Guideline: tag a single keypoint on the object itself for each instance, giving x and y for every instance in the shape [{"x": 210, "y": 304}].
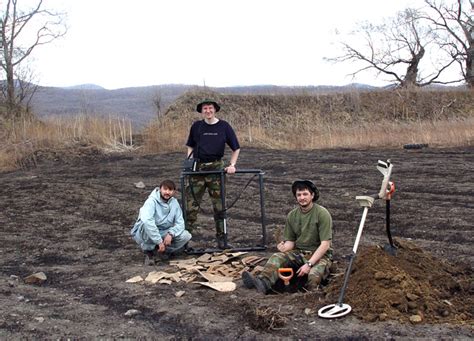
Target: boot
[
  {"x": 251, "y": 281},
  {"x": 247, "y": 279},
  {"x": 221, "y": 244}
]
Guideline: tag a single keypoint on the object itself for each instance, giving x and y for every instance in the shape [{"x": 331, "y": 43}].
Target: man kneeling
[
  {"x": 307, "y": 242},
  {"x": 159, "y": 229}
]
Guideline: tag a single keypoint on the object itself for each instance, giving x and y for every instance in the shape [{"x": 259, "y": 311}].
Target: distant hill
[
  {"x": 137, "y": 103},
  {"x": 85, "y": 86}
]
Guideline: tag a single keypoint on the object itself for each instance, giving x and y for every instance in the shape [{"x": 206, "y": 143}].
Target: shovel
[{"x": 389, "y": 248}]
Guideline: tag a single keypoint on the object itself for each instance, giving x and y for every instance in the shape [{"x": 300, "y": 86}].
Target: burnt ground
[{"x": 70, "y": 217}]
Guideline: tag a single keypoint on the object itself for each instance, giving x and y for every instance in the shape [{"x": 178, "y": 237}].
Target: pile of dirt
[{"x": 412, "y": 286}]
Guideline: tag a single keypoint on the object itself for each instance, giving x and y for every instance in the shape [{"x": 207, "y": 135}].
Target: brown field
[{"x": 70, "y": 217}]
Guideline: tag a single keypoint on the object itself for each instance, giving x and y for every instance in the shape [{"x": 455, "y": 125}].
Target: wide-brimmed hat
[
  {"x": 208, "y": 101},
  {"x": 307, "y": 184}
]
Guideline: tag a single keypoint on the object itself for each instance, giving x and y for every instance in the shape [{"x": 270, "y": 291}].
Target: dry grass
[
  {"x": 24, "y": 138},
  {"x": 298, "y": 121},
  {"x": 169, "y": 135},
  {"x": 315, "y": 121}
]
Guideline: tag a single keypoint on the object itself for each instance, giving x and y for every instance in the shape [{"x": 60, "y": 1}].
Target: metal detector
[
  {"x": 260, "y": 173},
  {"x": 340, "y": 309}
]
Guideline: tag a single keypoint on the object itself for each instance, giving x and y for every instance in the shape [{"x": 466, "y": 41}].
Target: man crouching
[
  {"x": 307, "y": 242},
  {"x": 159, "y": 229}
]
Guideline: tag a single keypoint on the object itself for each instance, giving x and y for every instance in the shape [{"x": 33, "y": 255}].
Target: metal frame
[{"x": 222, "y": 173}]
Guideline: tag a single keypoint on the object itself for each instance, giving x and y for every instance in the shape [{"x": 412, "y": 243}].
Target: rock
[
  {"x": 415, "y": 319},
  {"x": 39, "y": 319},
  {"x": 14, "y": 277},
  {"x": 412, "y": 297},
  {"x": 383, "y": 317},
  {"x": 179, "y": 293},
  {"x": 132, "y": 312},
  {"x": 36, "y": 278},
  {"x": 412, "y": 305},
  {"x": 135, "y": 279},
  {"x": 308, "y": 311},
  {"x": 139, "y": 184}
]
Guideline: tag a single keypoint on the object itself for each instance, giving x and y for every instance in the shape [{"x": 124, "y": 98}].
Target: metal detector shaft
[{"x": 353, "y": 255}]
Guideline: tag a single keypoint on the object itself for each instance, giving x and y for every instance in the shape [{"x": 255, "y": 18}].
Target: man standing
[
  {"x": 307, "y": 242},
  {"x": 159, "y": 229},
  {"x": 206, "y": 142}
]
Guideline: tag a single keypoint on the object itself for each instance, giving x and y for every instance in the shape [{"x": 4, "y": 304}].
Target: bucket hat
[
  {"x": 308, "y": 184},
  {"x": 208, "y": 101}
]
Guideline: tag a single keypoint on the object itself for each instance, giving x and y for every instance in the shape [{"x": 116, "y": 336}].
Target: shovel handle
[{"x": 285, "y": 274}]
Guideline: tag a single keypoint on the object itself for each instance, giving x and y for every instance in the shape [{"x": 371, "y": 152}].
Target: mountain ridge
[{"x": 140, "y": 104}]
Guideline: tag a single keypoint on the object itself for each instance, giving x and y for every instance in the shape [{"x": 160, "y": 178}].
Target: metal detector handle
[
  {"x": 365, "y": 202},
  {"x": 386, "y": 169}
]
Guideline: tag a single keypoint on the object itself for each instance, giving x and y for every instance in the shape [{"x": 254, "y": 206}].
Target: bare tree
[
  {"x": 25, "y": 86},
  {"x": 454, "y": 24},
  {"x": 395, "y": 49},
  {"x": 158, "y": 102},
  {"x": 21, "y": 31}
]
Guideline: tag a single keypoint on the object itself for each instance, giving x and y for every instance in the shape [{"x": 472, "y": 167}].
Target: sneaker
[{"x": 251, "y": 281}]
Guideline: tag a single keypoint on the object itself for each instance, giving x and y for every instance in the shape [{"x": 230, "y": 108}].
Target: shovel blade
[
  {"x": 334, "y": 310},
  {"x": 391, "y": 250}
]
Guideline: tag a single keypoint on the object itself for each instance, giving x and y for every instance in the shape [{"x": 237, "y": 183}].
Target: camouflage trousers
[
  {"x": 295, "y": 259},
  {"x": 195, "y": 190}
]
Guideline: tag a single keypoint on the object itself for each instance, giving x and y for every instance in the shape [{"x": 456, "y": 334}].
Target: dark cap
[
  {"x": 208, "y": 101},
  {"x": 305, "y": 184}
]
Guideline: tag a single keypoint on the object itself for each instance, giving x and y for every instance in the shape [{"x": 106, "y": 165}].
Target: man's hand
[
  {"x": 286, "y": 246},
  {"x": 230, "y": 169},
  {"x": 281, "y": 246},
  {"x": 161, "y": 247},
  {"x": 168, "y": 239},
  {"x": 304, "y": 270}
]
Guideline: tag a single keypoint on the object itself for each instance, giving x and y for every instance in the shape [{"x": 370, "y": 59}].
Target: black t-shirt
[{"x": 209, "y": 140}]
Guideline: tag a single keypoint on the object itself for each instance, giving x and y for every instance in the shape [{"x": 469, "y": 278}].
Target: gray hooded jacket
[{"x": 157, "y": 218}]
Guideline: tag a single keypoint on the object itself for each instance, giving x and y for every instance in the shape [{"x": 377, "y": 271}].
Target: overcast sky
[{"x": 124, "y": 43}]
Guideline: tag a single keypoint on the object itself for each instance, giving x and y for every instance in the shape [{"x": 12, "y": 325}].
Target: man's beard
[
  {"x": 164, "y": 199},
  {"x": 305, "y": 206}
]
